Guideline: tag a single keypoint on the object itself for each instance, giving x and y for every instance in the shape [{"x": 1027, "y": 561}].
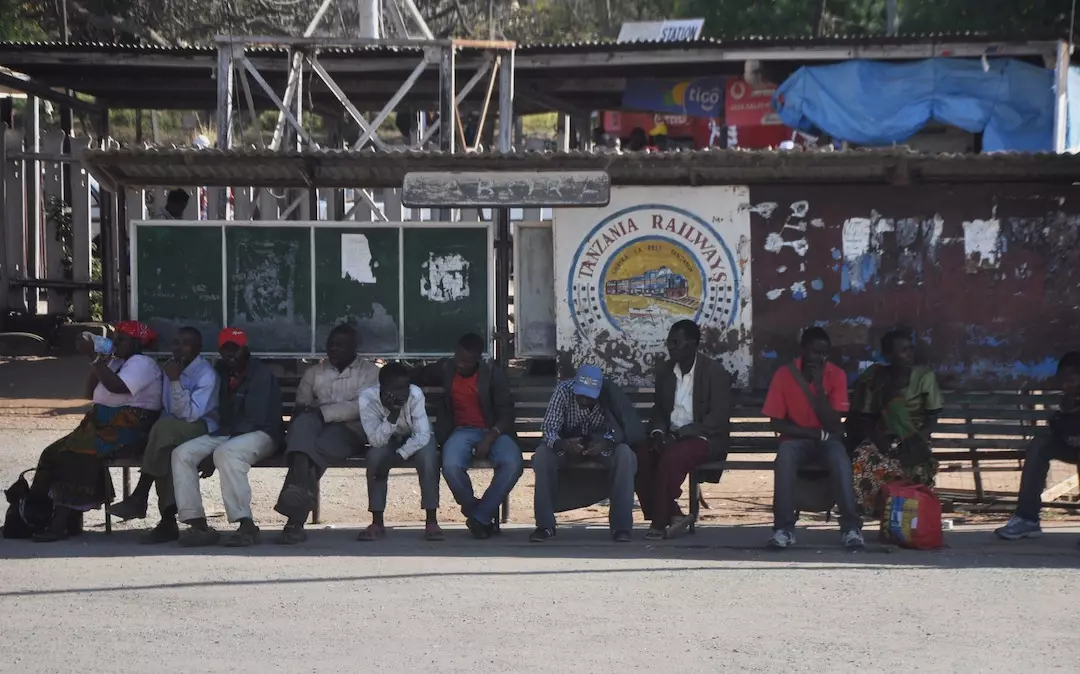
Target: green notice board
[
  {"x": 269, "y": 286},
  {"x": 446, "y": 286},
  {"x": 357, "y": 281},
  {"x": 409, "y": 289},
  {"x": 178, "y": 281}
]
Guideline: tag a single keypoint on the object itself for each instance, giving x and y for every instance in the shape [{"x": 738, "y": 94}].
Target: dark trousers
[
  {"x": 660, "y": 476},
  {"x": 1040, "y": 452}
]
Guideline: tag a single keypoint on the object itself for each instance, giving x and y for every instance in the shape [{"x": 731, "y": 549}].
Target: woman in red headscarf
[{"x": 126, "y": 389}]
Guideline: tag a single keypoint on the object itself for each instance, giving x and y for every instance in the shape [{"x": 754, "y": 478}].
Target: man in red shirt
[
  {"x": 805, "y": 402},
  {"x": 475, "y": 419}
]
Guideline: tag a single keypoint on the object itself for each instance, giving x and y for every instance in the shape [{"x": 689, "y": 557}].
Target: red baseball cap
[{"x": 231, "y": 335}]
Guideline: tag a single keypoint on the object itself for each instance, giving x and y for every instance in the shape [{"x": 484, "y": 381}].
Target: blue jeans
[{"x": 457, "y": 454}]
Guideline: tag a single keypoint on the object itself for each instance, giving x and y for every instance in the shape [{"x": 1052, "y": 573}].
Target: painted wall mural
[{"x": 626, "y": 273}]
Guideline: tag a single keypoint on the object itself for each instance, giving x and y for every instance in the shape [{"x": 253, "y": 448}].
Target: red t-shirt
[
  {"x": 786, "y": 399},
  {"x": 465, "y": 397}
]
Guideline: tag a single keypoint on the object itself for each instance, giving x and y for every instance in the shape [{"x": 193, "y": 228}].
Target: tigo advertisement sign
[{"x": 703, "y": 97}]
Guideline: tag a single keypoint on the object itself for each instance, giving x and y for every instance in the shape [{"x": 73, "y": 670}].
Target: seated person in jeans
[
  {"x": 190, "y": 410},
  {"x": 804, "y": 403},
  {"x": 581, "y": 424},
  {"x": 476, "y": 419},
  {"x": 325, "y": 426},
  {"x": 395, "y": 419},
  {"x": 1061, "y": 441},
  {"x": 249, "y": 430}
]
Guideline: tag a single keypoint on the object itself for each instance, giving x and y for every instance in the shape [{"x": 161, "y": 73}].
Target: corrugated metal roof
[
  {"x": 341, "y": 168},
  {"x": 761, "y": 41}
]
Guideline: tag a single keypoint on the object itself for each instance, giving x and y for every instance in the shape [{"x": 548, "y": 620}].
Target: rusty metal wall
[{"x": 988, "y": 276}]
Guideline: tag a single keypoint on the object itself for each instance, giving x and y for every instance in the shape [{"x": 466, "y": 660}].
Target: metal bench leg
[
  {"x": 108, "y": 523},
  {"x": 318, "y": 505},
  {"x": 506, "y": 509},
  {"x": 695, "y": 500},
  {"x": 127, "y": 482}
]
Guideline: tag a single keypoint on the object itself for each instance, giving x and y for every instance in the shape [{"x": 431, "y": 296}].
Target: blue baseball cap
[{"x": 588, "y": 381}]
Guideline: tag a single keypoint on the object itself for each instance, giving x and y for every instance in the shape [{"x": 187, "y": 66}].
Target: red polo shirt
[
  {"x": 465, "y": 397},
  {"x": 786, "y": 399}
]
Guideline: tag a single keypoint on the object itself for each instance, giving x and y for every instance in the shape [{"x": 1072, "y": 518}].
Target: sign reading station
[{"x": 508, "y": 189}]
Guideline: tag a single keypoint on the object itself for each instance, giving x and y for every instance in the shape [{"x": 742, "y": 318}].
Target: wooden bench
[{"x": 975, "y": 427}]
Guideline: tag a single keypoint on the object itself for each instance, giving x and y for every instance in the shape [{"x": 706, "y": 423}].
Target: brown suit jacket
[{"x": 712, "y": 403}]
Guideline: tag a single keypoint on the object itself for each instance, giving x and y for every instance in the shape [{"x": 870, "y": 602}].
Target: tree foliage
[{"x": 170, "y": 22}]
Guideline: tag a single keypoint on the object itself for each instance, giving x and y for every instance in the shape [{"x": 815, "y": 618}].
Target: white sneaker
[
  {"x": 853, "y": 540},
  {"x": 781, "y": 539},
  {"x": 1018, "y": 528}
]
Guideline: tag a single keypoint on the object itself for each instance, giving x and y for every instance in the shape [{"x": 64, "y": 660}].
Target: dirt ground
[{"x": 40, "y": 400}]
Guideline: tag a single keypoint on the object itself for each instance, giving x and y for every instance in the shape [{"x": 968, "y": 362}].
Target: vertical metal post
[
  {"x": 503, "y": 243},
  {"x": 1061, "y": 97},
  {"x": 33, "y": 199},
  {"x": 447, "y": 110},
  {"x": 564, "y": 132},
  {"x": 225, "y": 82},
  {"x": 370, "y": 19},
  {"x": 108, "y": 247},
  {"x": 5, "y": 256},
  {"x": 892, "y": 18}
]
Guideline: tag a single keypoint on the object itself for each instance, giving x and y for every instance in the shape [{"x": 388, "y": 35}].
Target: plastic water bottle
[{"x": 102, "y": 345}]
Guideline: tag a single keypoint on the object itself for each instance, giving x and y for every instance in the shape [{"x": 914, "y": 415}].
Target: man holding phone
[
  {"x": 805, "y": 402},
  {"x": 580, "y": 425},
  {"x": 395, "y": 419}
]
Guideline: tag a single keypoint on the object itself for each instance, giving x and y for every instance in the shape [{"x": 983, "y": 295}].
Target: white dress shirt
[
  {"x": 412, "y": 423},
  {"x": 682, "y": 412}
]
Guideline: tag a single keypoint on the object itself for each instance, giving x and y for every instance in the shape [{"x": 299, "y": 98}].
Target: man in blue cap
[{"x": 582, "y": 424}]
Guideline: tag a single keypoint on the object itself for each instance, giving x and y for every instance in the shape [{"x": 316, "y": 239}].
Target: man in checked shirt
[{"x": 581, "y": 425}]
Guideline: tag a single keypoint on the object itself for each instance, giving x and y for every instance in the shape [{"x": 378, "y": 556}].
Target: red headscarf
[{"x": 137, "y": 330}]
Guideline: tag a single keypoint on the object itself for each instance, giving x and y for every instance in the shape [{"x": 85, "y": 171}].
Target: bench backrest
[{"x": 993, "y": 424}]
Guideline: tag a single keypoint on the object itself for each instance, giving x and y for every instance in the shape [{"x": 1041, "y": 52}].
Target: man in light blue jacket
[{"x": 189, "y": 402}]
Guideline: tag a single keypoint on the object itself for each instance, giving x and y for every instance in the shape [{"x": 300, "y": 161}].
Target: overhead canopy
[
  {"x": 564, "y": 77},
  {"x": 369, "y": 169}
]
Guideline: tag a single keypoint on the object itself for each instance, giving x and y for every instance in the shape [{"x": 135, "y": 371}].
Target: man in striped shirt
[{"x": 325, "y": 426}]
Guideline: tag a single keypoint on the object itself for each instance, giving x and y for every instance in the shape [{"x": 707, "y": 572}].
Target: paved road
[{"x": 711, "y": 603}]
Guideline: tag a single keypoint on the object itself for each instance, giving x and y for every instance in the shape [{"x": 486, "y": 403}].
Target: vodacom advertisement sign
[{"x": 745, "y": 105}]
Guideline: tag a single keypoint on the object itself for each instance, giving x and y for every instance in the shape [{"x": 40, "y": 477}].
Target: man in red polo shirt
[{"x": 805, "y": 402}]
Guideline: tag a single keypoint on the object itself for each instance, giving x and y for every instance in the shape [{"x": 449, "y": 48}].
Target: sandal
[
  {"x": 243, "y": 538},
  {"x": 433, "y": 532},
  {"x": 655, "y": 534},
  {"x": 680, "y": 527},
  {"x": 373, "y": 532}
]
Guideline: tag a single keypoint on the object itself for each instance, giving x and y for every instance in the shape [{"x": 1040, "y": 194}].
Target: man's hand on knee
[{"x": 206, "y": 467}]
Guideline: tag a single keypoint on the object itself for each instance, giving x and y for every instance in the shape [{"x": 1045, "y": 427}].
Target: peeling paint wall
[{"x": 988, "y": 277}]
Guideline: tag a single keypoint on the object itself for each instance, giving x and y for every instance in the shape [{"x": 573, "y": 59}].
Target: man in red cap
[{"x": 249, "y": 430}]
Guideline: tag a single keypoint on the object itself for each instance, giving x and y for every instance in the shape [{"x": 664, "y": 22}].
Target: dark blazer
[
  {"x": 255, "y": 405},
  {"x": 620, "y": 412},
  {"x": 492, "y": 385},
  {"x": 712, "y": 403}
]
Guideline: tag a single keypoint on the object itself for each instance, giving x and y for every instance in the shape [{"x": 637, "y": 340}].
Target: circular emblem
[
  {"x": 643, "y": 268},
  {"x": 738, "y": 89}
]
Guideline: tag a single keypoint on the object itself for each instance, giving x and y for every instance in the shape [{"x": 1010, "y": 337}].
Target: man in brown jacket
[{"x": 689, "y": 425}]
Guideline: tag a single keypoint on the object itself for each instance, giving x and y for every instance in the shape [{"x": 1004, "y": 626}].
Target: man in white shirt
[
  {"x": 189, "y": 410},
  {"x": 395, "y": 419},
  {"x": 325, "y": 426},
  {"x": 688, "y": 426}
]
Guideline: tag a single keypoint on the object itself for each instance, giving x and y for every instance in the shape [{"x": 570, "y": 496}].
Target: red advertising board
[
  {"x": 621, "y": 124},
  {"x": 746, "y": 106}
]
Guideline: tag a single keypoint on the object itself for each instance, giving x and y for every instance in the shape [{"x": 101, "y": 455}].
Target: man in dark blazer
[
  {"x": 475, "y": 419},
  {"x": 689, "y": 425}
]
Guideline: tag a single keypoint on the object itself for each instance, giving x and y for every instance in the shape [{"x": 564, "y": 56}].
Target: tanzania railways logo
[{"x": 645, "y": 267}]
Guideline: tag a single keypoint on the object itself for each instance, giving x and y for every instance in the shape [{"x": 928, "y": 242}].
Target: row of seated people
[{"x": 190, "y": 419}]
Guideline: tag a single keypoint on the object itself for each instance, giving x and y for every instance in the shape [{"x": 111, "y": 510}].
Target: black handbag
[{"x": 27, "y": 512}]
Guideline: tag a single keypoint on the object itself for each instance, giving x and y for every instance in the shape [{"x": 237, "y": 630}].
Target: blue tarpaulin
[{"x": 873, "y": 103}]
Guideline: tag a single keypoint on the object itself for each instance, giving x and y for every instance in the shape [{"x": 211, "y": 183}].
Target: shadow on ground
[{"x": 818, "y": 548}]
